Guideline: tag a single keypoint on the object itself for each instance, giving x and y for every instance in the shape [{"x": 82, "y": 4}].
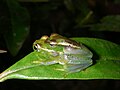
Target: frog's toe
[{"x": 59, "y": 69}]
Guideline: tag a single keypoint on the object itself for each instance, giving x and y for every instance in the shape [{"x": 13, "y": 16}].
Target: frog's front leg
[{"x": 45, "y": 58}]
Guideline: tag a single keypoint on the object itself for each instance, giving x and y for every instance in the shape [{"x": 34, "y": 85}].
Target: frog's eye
[{"x": 36, "y": 47}]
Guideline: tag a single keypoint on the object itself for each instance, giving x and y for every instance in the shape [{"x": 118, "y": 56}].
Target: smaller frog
[{"x": 72, "y": 55}]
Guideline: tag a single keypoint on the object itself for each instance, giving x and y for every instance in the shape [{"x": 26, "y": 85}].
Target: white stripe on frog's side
[
  {"x": 64, "y": 44},
  {"x": 68, "y": 44}
]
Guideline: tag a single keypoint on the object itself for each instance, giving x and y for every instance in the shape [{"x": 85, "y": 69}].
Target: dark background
[{"x": 54, "y": 17}]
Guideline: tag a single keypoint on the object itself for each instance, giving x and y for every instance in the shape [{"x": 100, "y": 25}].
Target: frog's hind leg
[{"x": 70, "y": 68}]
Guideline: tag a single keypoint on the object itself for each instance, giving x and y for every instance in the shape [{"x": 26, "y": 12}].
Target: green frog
[{"x": 55, "y": 49}]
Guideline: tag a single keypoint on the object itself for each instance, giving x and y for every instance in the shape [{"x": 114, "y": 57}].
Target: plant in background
[{"x": 61, "y": 16}]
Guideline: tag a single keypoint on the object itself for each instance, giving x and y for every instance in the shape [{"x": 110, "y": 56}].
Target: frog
[{"x": 57, "y": 49}]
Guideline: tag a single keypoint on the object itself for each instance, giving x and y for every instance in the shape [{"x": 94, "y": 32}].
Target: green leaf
[
  {"x": 85, "y": 16},
  {"x": 108, "y": 23},
  {"x": 19, "y": 27},
  {"x": 69, "y": 5},
  {"x": 117, "y": 1},
  {"x": 106, "y": 57},
  {"x": 81, "y": 11}
]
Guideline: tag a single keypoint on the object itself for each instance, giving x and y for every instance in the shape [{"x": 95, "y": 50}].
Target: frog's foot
[
  {"x": 65, "y": 74},
  {"x": 59, "y": 69},
  {"x": 36, "y": 62}
]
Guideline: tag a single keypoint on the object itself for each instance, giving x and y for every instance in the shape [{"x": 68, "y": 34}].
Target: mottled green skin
[{"x": 58, "y": 49}]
